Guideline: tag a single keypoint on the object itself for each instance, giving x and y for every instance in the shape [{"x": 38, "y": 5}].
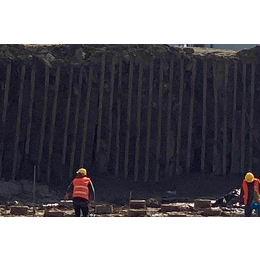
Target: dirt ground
[
  {"x": 116, "y": 192},
  {"x": 181, "y": 210}
]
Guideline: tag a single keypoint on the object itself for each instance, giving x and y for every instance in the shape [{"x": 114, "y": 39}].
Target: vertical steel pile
[{"x": 141, "y": 116}]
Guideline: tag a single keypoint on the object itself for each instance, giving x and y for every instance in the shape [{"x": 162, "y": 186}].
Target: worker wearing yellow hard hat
[
  {"x": 82, "y": 190},
  {"x": 249, "y": 192}
]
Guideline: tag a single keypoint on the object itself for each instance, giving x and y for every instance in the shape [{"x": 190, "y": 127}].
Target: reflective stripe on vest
[
  {"x": 81, "y": 187},
  {"x": 245, "y": 189}
]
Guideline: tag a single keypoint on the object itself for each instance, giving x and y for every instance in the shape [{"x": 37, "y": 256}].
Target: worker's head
[
  {"x": 82, "y": 171},
  {"x": 249, "y": 177}
]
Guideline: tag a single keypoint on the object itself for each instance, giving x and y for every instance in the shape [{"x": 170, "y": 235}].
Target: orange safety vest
[
  {"x": 81, "y": 187},
  {"x": 245, "y": 189}
]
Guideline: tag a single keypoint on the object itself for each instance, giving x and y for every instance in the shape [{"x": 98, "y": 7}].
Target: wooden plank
[
  {"x": 53, "y": 120},
  {"x": 159, "y": 124},
  {"x": 118, "y": 117},
  {"x": 100, "y": 107},
  {"x": 224, "y": 153},
  {"x": 129, "y": 108},
  {"x": 85, "y": 127},
  {"x": 234, "y": 123},
  {"x": 67, "y": 116},
  {"x": 169, "y": 115},
  {"x": 5, "y": 105},
  {"x": 30, "y": 111},
  {"x": 149, "y": 115},
  {"x": 18, "y": 121},
  {"x": 242, "y": 159},
  {"x": 181, "y": 87},
  {"x": 204, "y": 117},
  {"x": 138, "y": 123},
  {"x": 215, "y": 86},
  {"x": 110, "y": 122},
  {"x": 44, "y": 114},
  {"x": 76, "y": 120},
  {"x": 251, "y": 117},
  {"x": 193, "y": 77}
]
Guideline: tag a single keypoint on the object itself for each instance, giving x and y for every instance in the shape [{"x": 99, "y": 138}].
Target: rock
[
  {"x": 104, "y": 209},
  {"x": 19, "y": 210},
  {"x": 136, "y": 212},
  {"x": 137, "y": 204},
  {"x": 202, "y": 203},
  {"x": 53, "y": 213}
]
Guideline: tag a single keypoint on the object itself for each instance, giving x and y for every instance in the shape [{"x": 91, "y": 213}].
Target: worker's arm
[
  {"x": 92, "y": 191},
  {"x": 69, "y": 191}
]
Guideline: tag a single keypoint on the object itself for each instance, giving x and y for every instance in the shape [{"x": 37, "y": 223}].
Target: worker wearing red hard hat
[
  {"x": 82, "y": 188},
  {"x": 249, "y": 193}
]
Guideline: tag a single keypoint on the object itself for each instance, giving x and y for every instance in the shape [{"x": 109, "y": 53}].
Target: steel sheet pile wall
[{"x": 138, "y": 117}]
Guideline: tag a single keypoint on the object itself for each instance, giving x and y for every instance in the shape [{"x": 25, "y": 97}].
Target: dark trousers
[
  {"x": 80, "y": 205},
  {"x": 248, "y": 211}
]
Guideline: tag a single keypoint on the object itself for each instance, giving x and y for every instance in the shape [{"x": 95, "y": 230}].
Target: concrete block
[
  {"x": 53, "y": 213},
  {"x": 104, "y": 209},
  {"x": 202, "y": 204},
  {"x": 136, "y": 212},
  {"x": 137, "y": 204},
  {"x": 19, "y": 210},
  {"x": 212, "y": 212},
  {"x": 174, "y": 207}
]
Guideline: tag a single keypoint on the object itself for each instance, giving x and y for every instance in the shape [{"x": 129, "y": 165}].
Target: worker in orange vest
[
  {"x": 83, "y": 190},
  {"x": 249, "y": 193}
]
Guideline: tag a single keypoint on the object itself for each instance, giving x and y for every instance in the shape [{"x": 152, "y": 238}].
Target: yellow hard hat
[
  {"x": 249, "y": 177},
  {"x": 82, "y": 171}
]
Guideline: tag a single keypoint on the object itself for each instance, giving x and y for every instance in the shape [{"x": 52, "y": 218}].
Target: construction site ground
[{"x": 169, "y": 199}]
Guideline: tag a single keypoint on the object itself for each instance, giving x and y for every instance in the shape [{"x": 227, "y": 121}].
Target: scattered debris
[{"x": 228, "y": 200}]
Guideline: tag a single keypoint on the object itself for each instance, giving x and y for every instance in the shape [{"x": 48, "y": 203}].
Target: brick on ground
[
  {"x": 19, "y": 210},
  {"x": 212, "y": 212},
  {"x": 53, "y": 213},
  {"x": 137, "y": 204},
  {"x": 137, "y": 212},
  {"x": 202, "y": 203},
  {"x": 103, "y": 209}
]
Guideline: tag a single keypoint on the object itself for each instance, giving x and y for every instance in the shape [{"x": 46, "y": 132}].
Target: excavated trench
[{"x": 136, "y": 113}]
